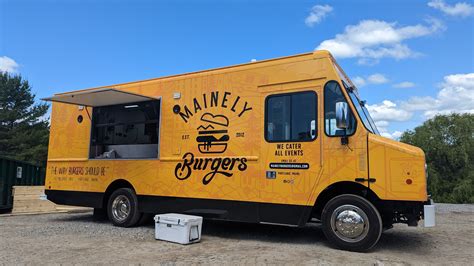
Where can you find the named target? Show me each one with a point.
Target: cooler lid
(176, 218)
(99, 97)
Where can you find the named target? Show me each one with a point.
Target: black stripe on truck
(240, 211)
(75, 198)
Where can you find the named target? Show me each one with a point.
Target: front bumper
(429, 214)
(407, 212)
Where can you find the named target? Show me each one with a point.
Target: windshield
(362, 110)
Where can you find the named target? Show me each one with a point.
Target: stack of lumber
(26, 199)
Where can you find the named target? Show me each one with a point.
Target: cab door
(291, 155)
(345, 150)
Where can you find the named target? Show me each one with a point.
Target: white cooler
(178, 228)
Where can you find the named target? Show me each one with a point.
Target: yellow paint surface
(69, 167)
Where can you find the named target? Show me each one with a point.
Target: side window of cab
(332, 95)
(291, 117)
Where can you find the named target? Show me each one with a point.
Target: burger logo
(212, 133)
(212, 137)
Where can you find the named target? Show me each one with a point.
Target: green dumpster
(17, 173)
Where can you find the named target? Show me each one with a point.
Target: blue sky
(410, 59)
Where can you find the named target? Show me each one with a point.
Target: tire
(122, 208)
(355, 234)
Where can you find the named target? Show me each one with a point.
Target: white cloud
(8, 65)
(377, 79)
(455, 96)
(405, 84)
(371, 40)
(372, 79)
(385, 113)
(359, 81)
(395, 135)
(317, 14)
(459, 9)
(388, 111)
(382, 126)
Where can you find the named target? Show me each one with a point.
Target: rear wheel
(351, 222)
(122, 208)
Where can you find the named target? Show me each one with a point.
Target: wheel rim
(121, 208)
(349, 223)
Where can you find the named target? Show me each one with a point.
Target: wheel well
(339, 188)
(119, 183)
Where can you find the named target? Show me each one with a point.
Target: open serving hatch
(123, 124)
(99, 97)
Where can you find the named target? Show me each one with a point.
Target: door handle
(361, 179)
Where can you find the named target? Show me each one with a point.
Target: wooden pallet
(26, 199)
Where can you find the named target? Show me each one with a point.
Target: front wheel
(351, 222)
(122, 208)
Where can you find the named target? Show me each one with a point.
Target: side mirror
(342, 115)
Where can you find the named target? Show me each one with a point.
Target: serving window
(127, 131)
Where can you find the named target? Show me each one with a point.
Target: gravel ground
(77, 238)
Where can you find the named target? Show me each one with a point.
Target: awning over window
(99, 97)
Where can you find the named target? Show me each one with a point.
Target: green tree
(448, 142)
(24, 132)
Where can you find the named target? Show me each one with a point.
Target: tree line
(448, 143)
(447, 140)
(24, 126)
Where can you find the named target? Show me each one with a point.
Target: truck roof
(315, 54)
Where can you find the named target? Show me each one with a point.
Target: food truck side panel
(178, 134)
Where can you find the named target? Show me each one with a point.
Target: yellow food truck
(283, 141)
